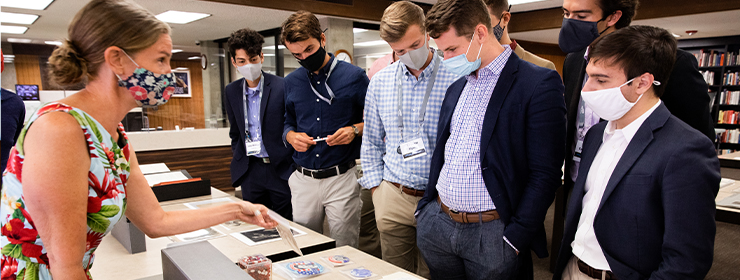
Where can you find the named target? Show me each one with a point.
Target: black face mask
(575, 35)
(314, 61)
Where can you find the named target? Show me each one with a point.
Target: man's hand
(299, 140)
(343, 136)
(372, 191)
(255, 214)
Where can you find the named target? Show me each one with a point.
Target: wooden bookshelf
(719, 45)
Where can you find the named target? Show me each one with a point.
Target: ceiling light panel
(14, 40)
(17, 18)
(370, 43)
(26, 4)
(181, 17)
(13, 29)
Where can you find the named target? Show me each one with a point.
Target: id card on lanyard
(253, 147)
(414, 148)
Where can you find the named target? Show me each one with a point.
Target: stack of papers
(157, 178)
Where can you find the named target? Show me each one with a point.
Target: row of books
(712, 58)
(730, 136)
(728, 117)
(726, 151)
(731, 79)
(727, 97)
(708, 77)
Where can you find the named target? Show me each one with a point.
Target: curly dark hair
(628, 8)
(246, 39)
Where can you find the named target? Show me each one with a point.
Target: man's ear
(612, 19)
(644, 83)
(505, 18)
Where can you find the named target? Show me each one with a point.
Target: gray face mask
(415, 59)
(498, 31)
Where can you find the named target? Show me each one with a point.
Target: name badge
(413, 149)
(578, 151)
(253, 148)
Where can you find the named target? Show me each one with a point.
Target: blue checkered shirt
(460, 185)
(382, 136)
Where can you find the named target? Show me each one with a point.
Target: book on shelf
(708, 77)
(728, 117)
(714, 58)
(726, 151)
(730, 136)
(731, 78)
(727, 97)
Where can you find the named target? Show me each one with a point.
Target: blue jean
(463, 251)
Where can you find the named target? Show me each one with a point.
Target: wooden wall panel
(27, 70)
(211, 163)
(550, 52)
(182, 111)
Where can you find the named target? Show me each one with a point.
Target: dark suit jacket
(656, 218)
(272, 117)
(521, 148)
(685, 97)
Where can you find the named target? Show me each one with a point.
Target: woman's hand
(255, 214)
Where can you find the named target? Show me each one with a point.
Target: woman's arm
(145, 212)
(55, 189)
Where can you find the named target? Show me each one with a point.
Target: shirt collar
(513, 45)
(249, 91)
(495, 67)
(630, 130)
(427, 71)
(585, 55)
(324, 70)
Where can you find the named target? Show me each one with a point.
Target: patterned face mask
(147, 88)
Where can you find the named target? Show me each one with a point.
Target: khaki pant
(394, 213)
(572, 272)
(369, 236)
(335, 198)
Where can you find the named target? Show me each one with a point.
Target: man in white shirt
(645, 207)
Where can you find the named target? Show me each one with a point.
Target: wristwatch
(357, 131)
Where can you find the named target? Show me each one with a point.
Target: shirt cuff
(512, 246)
(285, 135)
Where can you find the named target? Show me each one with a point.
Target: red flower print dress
(23, 252)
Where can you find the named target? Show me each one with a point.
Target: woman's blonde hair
(98, 26)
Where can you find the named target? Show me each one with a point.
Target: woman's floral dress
(23, 252)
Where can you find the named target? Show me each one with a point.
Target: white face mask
(415, 59)
(610, 103)
(250, 72)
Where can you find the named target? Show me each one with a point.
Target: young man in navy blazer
(499, 151)
(643, 207)
(262, 164)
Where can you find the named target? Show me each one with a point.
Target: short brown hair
(397, 19)
(301, 26)
(628, 8)
(638, 50)
(246, 39)
(463, 15)
(96, 27)
(497, 7)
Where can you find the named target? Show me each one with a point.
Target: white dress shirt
(615, 141)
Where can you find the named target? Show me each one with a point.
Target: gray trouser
(335, 198)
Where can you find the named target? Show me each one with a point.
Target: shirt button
(318, 82)
(317, 100)
(318, 119)
(317, 155)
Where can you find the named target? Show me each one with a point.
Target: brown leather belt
(469, 218)
(594, 273)
(407, 190)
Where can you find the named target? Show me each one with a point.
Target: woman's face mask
(146, 87)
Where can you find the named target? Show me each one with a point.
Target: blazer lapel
(587, 159)
(239, 107)
(265, 97)
(497, 100)
(637, 145)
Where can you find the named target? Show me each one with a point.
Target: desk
(113, 262)
(728, 214)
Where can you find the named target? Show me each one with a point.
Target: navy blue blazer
(521, 148)
(656, 218)
(272, 117)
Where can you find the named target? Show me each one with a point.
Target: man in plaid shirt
(401, 112)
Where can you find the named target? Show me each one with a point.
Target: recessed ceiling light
(358, 30)
(269, 54)
(517, 2)
(56, 43)
(17, 18)
(281, 47)
(370, 43)
(13, 29)
(181, 68)
(15, 40)
(176, 50)
(26, 4)
(181, 17)
(194, 57)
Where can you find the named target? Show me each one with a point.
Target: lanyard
(582, 112)
(246, 112)
(326, 84)
(399, 90)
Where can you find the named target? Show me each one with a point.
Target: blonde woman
(73, 175)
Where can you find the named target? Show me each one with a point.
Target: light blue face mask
(460, 65)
